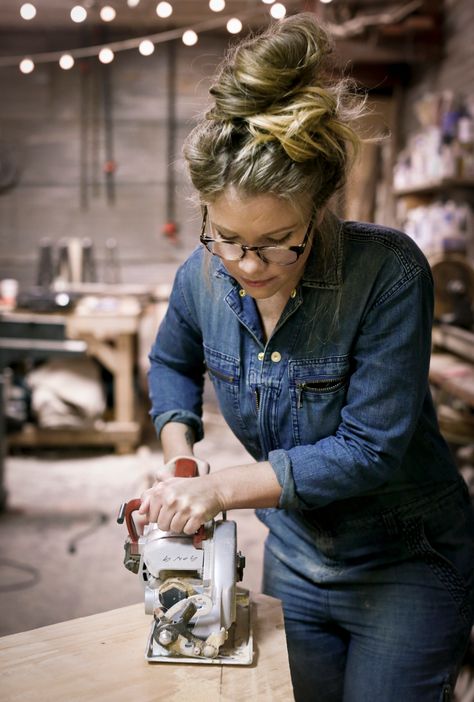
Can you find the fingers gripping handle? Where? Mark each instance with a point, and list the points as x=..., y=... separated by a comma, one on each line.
x=188, y=468
x=184, y=468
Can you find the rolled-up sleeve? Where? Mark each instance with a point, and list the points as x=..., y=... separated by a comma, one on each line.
x=387, y=387
x=176, y=373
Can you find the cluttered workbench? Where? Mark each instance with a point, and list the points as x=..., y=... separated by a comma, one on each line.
x=105, y=331
x=102, y=658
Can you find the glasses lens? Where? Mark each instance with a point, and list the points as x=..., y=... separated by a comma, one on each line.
x=277, y=254
x=227, y=251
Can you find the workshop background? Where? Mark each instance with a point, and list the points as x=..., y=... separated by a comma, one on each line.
x=96, y=214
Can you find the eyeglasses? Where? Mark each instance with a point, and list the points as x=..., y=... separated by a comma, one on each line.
x=230, y=251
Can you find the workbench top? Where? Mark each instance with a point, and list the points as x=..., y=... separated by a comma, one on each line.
x=101, y=658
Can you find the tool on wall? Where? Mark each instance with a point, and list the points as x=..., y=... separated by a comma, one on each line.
x=110, y=165
x=96, y=126
x=199, y=615
x=170, y=226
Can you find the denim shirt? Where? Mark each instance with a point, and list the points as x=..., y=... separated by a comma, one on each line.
x=337, y=399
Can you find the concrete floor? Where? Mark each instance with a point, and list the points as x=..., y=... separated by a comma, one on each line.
x=56, y=502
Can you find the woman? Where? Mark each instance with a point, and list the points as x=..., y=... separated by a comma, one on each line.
x=316, y=336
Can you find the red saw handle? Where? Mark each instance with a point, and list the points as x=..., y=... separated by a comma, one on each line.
x=184, y=468
x=126, y=514
x=187, y=468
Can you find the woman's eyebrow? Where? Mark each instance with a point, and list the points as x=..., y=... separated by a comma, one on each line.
x=267, y=235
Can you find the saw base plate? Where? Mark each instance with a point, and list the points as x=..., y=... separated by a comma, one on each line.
x=236, y=650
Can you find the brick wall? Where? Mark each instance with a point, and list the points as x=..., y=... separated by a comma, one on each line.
x=52, y=123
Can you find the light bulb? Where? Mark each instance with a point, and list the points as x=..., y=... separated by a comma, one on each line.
x=217, y=5
x=133, y=3
x=268, y=2
x=106, y=55
x=189, y=37
x=278, y=11
x=164, y=9
x=234, y=26
x=27, y=65
x=325, y=2
x=78, y=13
x=66, y=62
x=107, y=13
x=146, y=47
x=27, y=11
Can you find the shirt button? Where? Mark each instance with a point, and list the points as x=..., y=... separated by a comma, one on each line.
x=293, y=293
x=276, y=356
x=261, y=356
x=242, y=292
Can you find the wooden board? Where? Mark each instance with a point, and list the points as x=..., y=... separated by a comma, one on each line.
x=100, y=658
x=453, y=375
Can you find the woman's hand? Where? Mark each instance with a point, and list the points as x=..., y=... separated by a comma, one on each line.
x=181, y=504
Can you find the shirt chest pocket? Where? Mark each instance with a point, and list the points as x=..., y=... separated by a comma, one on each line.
x=224, y=372
x=317, y=394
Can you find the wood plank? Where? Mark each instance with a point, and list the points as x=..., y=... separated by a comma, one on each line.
x=454, y=376
x=100, y=658
x=455, y=339
x=103, y=434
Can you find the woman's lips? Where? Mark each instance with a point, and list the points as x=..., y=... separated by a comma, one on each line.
x=256, y=283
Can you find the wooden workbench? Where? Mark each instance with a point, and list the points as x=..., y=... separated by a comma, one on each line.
x=108, y=335
x=100, y=658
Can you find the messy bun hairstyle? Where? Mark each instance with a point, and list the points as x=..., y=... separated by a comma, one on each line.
x=280, y=123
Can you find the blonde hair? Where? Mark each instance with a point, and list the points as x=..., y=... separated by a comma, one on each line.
x=280, y=123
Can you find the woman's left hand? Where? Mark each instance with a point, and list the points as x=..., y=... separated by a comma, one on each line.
x=181, y=504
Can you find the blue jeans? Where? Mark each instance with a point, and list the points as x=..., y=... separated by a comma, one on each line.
x=376, y=607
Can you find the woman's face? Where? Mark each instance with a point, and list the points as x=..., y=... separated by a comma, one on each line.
x=261, y=220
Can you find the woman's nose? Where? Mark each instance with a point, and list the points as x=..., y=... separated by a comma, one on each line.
x=251, y=263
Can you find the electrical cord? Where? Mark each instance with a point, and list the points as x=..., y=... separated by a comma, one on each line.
x=101, y=519
x=34, y=574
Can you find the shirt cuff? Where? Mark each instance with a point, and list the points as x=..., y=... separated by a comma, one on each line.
x=182, y=417
x=281, y=464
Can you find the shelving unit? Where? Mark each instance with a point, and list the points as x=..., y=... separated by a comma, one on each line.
x=436, y=187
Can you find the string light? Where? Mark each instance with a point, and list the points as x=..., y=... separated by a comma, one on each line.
x=164, y=9
x=278, y=11
x=325, y=2
x=78, y=14
x=27, y=65
x=107, y=13
x=146, y=47
x=27, y=11
x=217, y=5
x=66, y=62
x=106, y=55
x=234, y=26
x=268, y=2
x=189, y=37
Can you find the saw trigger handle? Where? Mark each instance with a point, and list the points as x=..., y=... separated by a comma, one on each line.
x=125, y=514
x=186, y=468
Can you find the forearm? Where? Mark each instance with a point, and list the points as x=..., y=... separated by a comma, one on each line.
x=177, y=439
x=249, y=486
